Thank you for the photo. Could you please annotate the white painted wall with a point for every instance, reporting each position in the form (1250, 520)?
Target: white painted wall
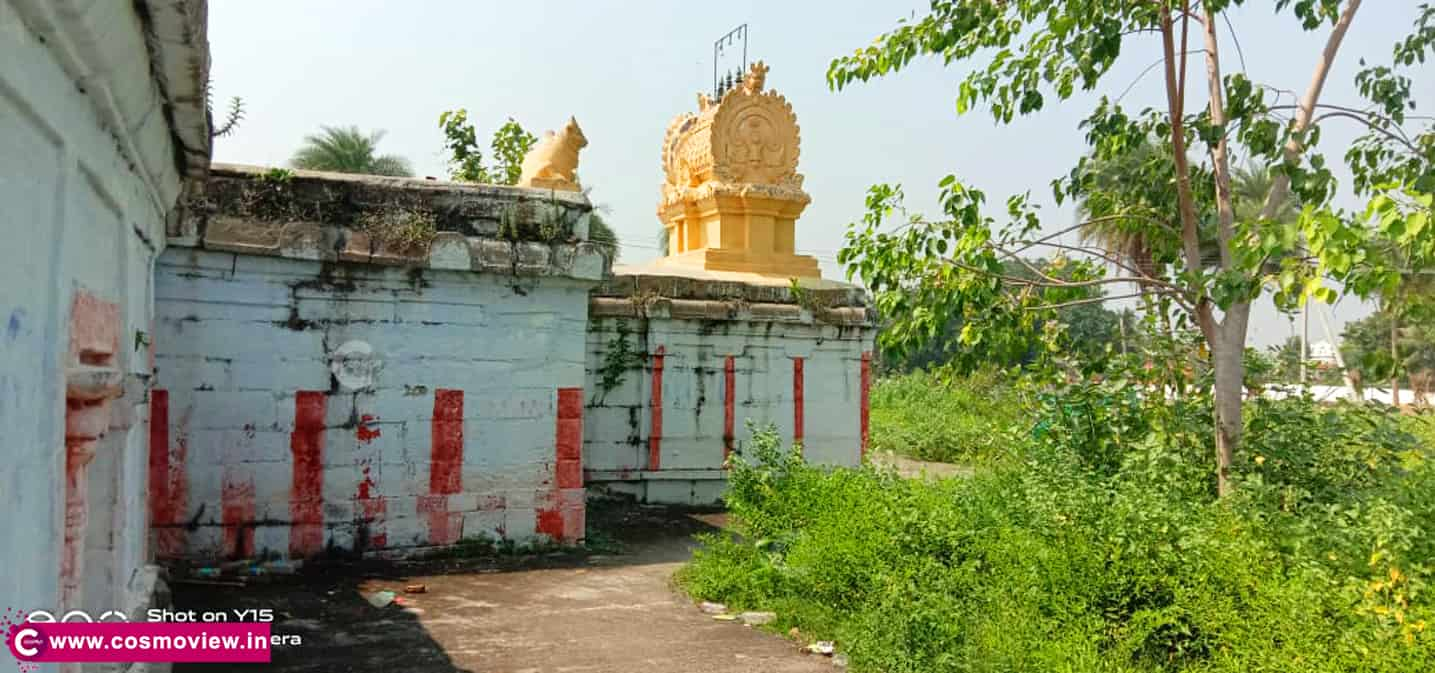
(238, 335)
(1336, 393)
(86, 188)
(618, 422)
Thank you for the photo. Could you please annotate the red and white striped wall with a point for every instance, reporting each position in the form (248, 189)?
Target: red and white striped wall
(317, 514)
(301, 414)
(665, 431)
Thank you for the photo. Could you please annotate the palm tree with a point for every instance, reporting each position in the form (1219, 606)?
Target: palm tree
(1141, 184)
(1249, 186)
(599, 231)
(1396, 302)
(1139, 187)
(348, 150)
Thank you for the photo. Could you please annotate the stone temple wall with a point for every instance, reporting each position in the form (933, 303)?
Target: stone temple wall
(90, 172)
(332, 380)
(320, 391)
(680, 369)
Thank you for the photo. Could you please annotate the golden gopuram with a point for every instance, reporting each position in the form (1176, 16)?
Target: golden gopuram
(733, 193)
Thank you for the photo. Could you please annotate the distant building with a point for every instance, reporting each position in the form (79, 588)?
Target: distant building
(1323, 352)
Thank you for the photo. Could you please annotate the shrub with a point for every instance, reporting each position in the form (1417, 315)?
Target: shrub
(931, 417)
(1103, 547)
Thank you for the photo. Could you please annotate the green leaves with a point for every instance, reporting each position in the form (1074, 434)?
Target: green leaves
(346, 149)
(1066, 44)
(465, 162)
(510, 143)
(1312, 13)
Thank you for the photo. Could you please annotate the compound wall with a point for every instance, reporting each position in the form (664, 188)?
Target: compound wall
(88, 180)
(680, 371)
(306, 407)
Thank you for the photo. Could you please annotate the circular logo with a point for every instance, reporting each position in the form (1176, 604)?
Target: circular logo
(25, 642)
(354, 365)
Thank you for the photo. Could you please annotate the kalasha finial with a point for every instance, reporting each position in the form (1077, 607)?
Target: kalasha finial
(756, 78)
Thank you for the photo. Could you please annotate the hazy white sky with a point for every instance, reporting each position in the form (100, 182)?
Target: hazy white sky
(624, 69)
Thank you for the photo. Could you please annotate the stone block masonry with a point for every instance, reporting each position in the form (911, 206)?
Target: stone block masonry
(678, 367)
(324, 388)
(328, 395)
(102, 127)
(344, 426)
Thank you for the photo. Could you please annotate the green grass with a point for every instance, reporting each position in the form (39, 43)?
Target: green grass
(929, 417)
(1421, 425)
(1101, 547)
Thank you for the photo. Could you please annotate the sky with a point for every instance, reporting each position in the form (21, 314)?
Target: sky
(625, 69)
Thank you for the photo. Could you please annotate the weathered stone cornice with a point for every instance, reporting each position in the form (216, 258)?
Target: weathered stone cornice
(333, 217)
(679, 297)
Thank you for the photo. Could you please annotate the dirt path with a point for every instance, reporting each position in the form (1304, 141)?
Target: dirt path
(554, 613)
(912, 468)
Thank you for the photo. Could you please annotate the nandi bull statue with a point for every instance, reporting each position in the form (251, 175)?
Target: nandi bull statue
(553, 161)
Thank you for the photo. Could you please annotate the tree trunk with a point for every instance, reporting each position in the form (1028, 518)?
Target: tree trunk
(1220, 161)
(1394, 358)
(1228, 358)
(1280, 187)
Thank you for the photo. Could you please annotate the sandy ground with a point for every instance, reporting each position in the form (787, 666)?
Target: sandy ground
(562, 612)
(914, 469)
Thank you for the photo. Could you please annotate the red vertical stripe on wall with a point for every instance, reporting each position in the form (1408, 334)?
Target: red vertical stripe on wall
(655, 432)
(372, 509)
(866, 399)
(236, 493)
(565, 517)
(797, 402)
(569, 445)
(306, 491)
(159, 514)
(729, 392)
(446, 461)
(167, 479)
(77, 456)
(445, 466)
(550, 522)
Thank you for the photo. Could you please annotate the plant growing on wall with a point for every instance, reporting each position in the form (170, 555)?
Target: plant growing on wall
(400, 229)
(618, 358)
(931, 271)
(509, 144)
(232, 117)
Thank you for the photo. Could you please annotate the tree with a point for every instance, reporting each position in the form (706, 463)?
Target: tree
(1048, 48)
(1250, 183)
(1288, 359)
(509, 144)
(1396, 342)
(1407, 299)
(348, 150)
(598, 229)
(1084, 331)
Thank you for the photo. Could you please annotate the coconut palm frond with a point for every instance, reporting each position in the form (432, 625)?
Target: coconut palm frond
(348, 150)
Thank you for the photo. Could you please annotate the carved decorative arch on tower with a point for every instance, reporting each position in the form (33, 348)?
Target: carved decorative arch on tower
(755, 138)
(732, 193)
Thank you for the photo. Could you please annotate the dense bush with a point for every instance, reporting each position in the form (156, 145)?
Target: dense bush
(929, 417)
(1103, 547)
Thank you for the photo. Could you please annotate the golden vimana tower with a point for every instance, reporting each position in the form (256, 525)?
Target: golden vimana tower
(732, 193)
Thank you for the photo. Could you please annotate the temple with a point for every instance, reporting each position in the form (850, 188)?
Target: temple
(732, 193)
